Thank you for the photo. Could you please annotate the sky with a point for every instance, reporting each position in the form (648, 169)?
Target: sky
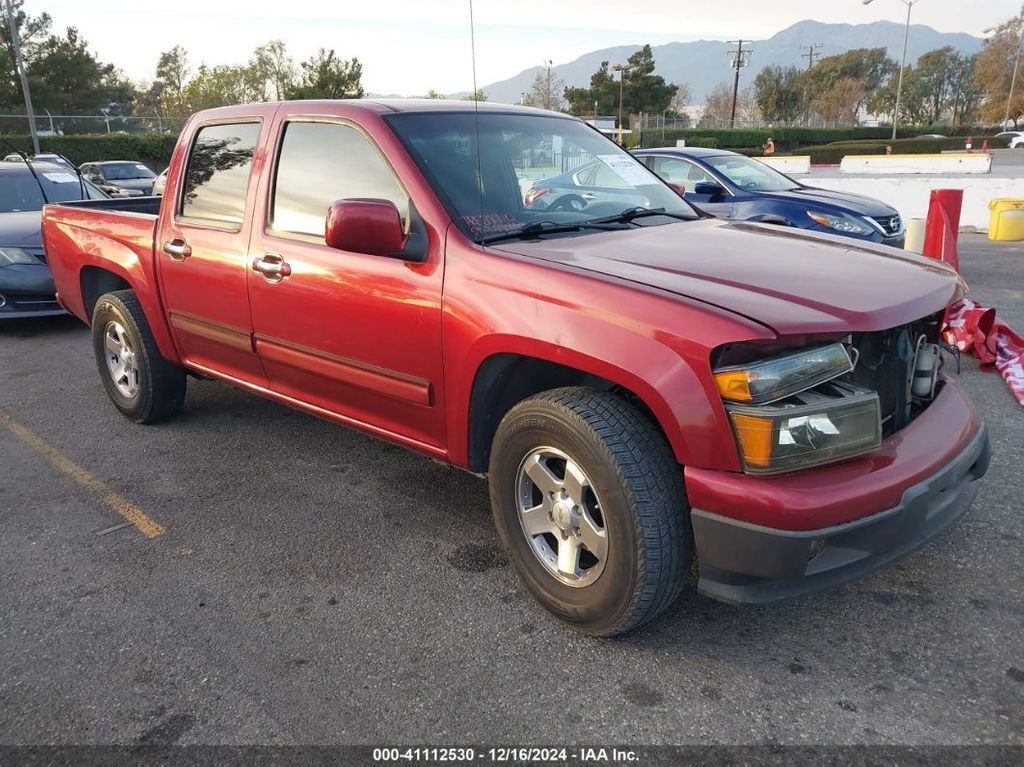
(409, 46)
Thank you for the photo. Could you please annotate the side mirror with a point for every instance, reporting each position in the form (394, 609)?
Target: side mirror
(373, 227)
(677, 188)
(709, 189)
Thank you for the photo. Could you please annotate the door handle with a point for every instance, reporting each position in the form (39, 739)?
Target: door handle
(177, 249)
(272, 266)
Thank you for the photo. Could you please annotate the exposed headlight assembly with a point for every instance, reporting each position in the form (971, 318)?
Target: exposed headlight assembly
(842, 222)
(10, 256)
(762, 382)
(790, 412)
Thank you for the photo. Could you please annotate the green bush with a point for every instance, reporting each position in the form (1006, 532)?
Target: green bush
(152, 149)
(832, 154)
(797, 139)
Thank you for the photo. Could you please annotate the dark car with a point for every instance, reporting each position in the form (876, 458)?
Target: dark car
(26, 287)
(120, 178)
(730, 185)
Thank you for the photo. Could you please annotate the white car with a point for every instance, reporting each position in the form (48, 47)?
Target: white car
(1016, 138)
(160, 183)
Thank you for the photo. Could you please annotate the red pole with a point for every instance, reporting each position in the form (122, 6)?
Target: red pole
(943, 226)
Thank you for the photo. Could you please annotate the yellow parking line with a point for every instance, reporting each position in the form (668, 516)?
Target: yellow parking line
(62, 463)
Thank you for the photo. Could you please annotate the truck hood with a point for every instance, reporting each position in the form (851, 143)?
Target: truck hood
(831, 200)
(787, 279)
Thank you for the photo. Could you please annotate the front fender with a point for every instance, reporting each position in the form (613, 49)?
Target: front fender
(655, 345)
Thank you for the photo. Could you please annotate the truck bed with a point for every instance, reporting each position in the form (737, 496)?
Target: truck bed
(148, 206)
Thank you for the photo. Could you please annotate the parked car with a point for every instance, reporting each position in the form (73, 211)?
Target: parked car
(732, 186)
(160, 183)
(638, 384)
(577, 188)
(54, 158)
(120, 178)
(26, 287)
(1016, 138)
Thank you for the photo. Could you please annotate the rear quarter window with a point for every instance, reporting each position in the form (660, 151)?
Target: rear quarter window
(217, 175)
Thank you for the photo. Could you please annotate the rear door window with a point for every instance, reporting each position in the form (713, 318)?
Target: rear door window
(217, 177)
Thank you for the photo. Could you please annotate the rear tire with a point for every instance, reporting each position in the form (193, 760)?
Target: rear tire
(143, 385)
(630, 523)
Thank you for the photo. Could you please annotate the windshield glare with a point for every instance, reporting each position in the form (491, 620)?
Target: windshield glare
(750, 175)
(512, 170)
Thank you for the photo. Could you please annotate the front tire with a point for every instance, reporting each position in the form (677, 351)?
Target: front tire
(588, 500)
(143, 385)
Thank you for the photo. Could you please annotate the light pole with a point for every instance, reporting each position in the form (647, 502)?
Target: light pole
(1016, 63)
(20, 63)
(903, 64)
(106, 117)
(621, 69)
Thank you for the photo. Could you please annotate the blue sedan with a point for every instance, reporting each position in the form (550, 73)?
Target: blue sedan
(730, 185)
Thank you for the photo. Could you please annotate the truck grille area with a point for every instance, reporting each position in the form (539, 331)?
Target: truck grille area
(886, 364)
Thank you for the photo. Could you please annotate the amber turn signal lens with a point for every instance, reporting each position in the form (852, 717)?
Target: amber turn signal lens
(734, 385)
(754, 434)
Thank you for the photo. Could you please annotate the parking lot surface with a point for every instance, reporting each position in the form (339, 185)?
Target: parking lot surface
(307, 584)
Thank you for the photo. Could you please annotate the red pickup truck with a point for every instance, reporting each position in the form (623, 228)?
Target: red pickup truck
(640, 384)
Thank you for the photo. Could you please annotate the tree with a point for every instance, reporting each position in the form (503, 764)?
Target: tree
(477, 95)
(602, 96)
(172, 71)
(841, 102)
(680, 100)
(271, 65)
(326, 76)
(642, 90)
(779, 92)
(993, 72)
(718, 107)
(432, 94)
(872, 67)
(546, 92)
(218, 86)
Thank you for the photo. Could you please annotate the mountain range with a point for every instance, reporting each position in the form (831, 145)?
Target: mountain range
(703, 64)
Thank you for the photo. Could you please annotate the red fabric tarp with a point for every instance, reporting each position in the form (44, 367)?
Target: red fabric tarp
(976, 330)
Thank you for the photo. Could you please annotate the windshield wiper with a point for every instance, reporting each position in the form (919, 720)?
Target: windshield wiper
(629, 214)
(538, 228)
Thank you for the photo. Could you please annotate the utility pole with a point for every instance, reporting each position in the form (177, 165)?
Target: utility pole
(903, 64)
(741, 58)
(813, 51)
(19, 62)
(621, 69)
(548, 63)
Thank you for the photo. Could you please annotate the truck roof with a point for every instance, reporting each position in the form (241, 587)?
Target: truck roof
(390, 106)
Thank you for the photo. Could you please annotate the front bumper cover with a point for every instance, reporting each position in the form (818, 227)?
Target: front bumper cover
(745, 563)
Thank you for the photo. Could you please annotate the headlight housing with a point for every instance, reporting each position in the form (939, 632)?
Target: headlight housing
(827, 424)
(10, 256)
(766, 381)
(842, 222)
(793, 411)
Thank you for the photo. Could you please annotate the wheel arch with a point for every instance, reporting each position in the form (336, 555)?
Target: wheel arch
(503, 379)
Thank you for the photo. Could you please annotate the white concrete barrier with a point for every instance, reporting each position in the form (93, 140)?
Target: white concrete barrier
(910, 195)
(908, 164)
(791, 166)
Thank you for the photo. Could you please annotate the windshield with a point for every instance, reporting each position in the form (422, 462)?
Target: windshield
(750, 175)
(510, 171)
(19, 191)
(124, 171)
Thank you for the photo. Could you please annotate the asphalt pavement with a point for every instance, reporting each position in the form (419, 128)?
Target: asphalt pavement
(313, 585)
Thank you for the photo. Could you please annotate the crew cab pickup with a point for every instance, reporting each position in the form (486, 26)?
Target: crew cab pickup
(641, 385)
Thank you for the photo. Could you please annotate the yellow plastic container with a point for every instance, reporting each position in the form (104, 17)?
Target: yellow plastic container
(1006, 220)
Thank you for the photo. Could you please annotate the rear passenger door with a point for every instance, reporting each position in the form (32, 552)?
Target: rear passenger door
(357, 335)
(202, 249)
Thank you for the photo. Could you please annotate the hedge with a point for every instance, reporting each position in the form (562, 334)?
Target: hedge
(794, 139)
(153, 149)
(832, 154)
